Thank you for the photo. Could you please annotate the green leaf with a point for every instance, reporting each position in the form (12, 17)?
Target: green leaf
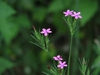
(5, 64)
(36, 44)
(96, 46)
(87, 8)
(5, 10)
(96, 66)
(8, 30)
(88, 72)
(96, 63)
(45, 73)
(56, 5)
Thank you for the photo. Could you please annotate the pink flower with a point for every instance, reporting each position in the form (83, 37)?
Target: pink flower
(62, 64)
(76, 15)
(58, 58)
(46, 31)
(67, 13)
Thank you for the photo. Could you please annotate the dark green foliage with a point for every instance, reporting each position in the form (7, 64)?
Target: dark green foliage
(19, 57)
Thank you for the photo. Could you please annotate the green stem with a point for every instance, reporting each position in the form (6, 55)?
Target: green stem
(70, 54)
(46, 41)
(68, 20)
(62, 72)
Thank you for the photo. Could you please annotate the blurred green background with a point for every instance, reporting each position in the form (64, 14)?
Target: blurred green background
(19, 57)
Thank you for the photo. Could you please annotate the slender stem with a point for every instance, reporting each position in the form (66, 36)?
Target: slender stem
(46, 42)
(70, 54)
(61, 72)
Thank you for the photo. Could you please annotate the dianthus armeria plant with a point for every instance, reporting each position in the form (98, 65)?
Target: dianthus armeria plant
(42, 39)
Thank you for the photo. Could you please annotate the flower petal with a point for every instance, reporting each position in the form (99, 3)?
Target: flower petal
(58, 65)
(45, 34)
(80, 16)
(48, 30)
(55, 58)
(78, 13)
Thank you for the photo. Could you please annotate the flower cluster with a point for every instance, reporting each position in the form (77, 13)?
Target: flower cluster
(72, 13)
(61, 64)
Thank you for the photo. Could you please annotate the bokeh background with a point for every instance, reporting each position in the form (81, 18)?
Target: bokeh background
(17, 17)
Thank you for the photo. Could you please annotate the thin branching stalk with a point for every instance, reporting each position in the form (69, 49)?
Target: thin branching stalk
(70, 54)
